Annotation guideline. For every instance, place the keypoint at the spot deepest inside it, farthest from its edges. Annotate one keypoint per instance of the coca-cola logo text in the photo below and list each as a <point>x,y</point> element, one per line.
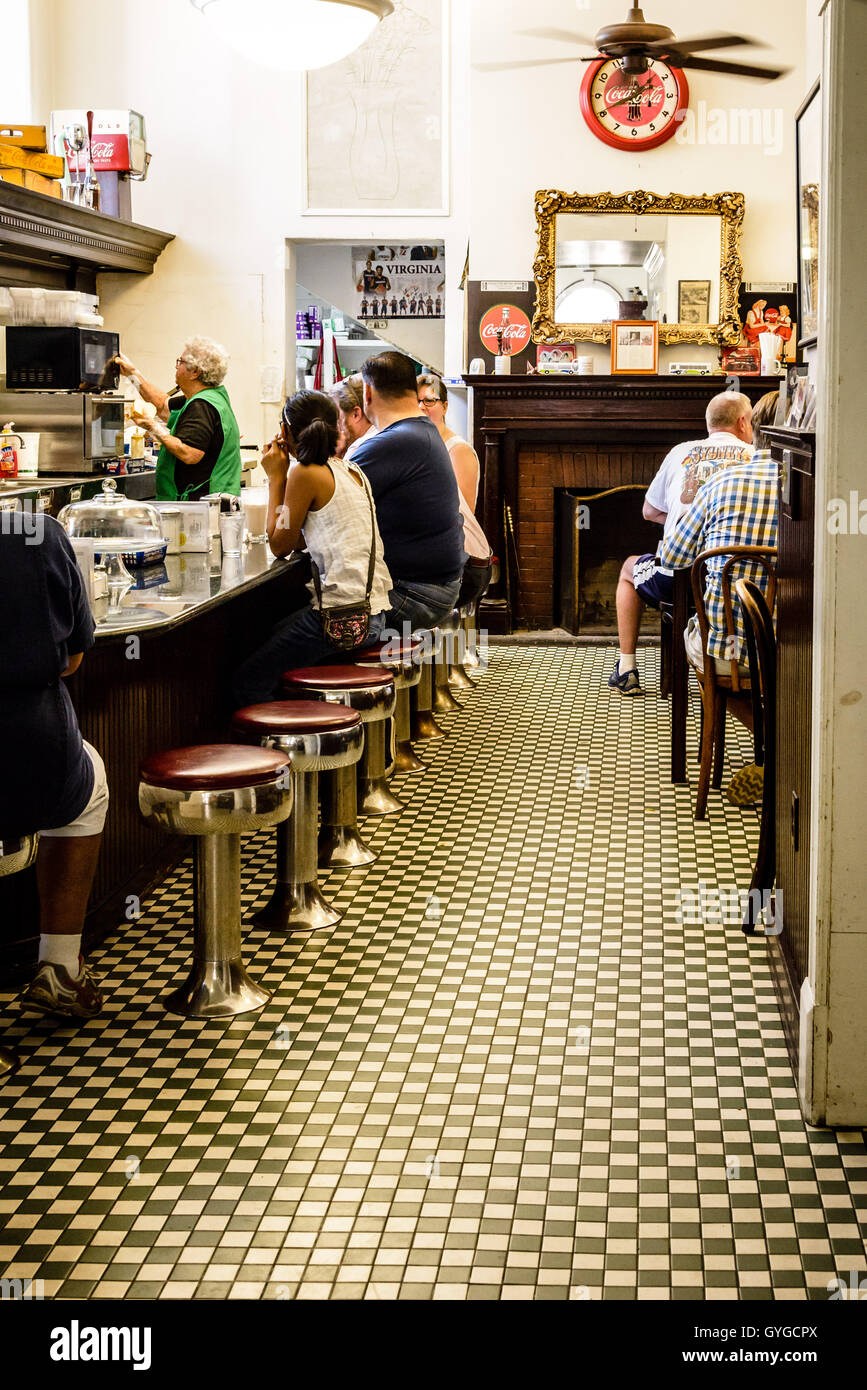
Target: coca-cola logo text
<point>652,97</point>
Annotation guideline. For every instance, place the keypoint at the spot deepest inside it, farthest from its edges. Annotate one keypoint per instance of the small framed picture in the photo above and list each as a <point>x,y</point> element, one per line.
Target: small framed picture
<point>634,347</point>
<point>693,301</point>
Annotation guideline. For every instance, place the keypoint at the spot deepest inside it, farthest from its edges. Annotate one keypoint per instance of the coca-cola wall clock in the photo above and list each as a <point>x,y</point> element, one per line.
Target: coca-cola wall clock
<point>633,112</point>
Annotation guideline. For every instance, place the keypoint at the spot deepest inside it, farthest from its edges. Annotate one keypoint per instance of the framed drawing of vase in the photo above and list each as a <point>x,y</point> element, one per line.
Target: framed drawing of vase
<point>376,129</point>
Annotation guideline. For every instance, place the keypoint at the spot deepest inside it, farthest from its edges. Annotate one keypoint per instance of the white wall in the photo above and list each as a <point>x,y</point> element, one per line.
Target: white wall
<point>226,138</point>
<point>533,117</point>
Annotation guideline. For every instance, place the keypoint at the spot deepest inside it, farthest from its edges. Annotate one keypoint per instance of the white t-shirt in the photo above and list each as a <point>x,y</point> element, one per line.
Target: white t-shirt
<point>357,443</point>
<point>665,490</point>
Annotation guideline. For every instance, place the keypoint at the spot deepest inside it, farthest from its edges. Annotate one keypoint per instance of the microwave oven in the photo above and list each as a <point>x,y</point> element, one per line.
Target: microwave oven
<point>60,359</point>
<point>78,433</point>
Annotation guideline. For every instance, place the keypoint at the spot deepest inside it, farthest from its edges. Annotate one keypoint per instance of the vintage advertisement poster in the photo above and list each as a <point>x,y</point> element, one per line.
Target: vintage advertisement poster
<point>399,282</point>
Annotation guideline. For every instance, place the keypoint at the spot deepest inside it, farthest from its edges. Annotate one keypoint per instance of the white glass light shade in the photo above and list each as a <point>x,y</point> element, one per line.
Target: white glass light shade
<point>294,35</point>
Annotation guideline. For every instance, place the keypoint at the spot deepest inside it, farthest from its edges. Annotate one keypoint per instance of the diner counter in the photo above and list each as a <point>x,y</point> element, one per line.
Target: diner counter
<point>182,588</point>
<point>168,688</point>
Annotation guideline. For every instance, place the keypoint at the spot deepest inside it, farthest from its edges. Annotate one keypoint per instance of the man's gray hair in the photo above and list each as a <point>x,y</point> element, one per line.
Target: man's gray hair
<point>725,410</point>
<point>209,358</point>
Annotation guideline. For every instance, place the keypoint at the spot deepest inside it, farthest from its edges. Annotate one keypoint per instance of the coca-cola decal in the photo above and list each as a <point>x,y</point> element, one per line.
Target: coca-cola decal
<point>633,111</point>
<point>505,330</point>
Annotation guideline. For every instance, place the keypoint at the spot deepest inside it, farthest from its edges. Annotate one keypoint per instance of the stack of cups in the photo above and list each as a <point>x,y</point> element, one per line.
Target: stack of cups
<point>585,366</point>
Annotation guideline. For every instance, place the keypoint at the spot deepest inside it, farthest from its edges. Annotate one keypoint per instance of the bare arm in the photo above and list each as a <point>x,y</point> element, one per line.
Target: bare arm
<point>74,663</point>
<point>149,393</point>
<point>465,462</point>
<point>653,514</point>
<point>286,535</point>
<point>161,433</point>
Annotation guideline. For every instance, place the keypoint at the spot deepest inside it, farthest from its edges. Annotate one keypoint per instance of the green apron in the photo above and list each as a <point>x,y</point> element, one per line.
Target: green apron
<point>226,474</point>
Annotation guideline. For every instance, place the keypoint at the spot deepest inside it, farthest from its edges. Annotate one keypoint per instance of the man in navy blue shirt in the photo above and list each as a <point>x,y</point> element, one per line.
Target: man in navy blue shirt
<point>52,781</point>
<point>416,495</point>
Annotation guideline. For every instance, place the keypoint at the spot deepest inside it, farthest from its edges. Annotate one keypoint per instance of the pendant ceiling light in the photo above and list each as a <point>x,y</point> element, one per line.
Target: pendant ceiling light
<point>294,35</point>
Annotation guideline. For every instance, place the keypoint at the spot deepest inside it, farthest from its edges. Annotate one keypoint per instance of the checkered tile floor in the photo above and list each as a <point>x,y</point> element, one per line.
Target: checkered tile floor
<point>510,1073</point>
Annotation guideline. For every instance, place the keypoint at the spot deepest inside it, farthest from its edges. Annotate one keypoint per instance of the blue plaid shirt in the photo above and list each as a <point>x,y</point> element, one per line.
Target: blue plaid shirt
<point>736,507</point>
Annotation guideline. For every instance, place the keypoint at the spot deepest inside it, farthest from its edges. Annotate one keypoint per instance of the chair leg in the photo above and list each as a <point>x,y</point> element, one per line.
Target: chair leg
<point>719,747</point>
<point>706,758</point>
<point>218,985</point>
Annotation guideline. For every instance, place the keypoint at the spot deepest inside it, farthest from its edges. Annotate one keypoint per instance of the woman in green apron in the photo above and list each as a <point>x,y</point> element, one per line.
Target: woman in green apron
<point>200,441</point>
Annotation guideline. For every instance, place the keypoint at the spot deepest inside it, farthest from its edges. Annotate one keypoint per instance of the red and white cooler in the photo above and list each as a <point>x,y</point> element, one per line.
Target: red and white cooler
<point>119,141</point>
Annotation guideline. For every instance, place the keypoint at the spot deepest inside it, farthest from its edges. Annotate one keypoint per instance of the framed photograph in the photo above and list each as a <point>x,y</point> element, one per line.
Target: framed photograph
<point>555,359</point>
<point>808,153</point>
<point>376,127</point>
<point>693,301</point>
<point>634,347</point>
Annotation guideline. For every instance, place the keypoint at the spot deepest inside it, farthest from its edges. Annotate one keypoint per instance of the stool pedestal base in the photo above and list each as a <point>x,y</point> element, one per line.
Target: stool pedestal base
<point>296,903</point>
<point>405,759</point>
<point>9,1062</point>
<point>424,726</point>
<point>218,985</point>
<point>340,845</point>
<point>375,797</point>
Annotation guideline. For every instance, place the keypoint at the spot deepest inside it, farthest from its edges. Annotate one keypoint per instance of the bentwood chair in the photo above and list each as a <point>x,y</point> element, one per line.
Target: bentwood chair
<point>732,691</point>
<point>762,653</point>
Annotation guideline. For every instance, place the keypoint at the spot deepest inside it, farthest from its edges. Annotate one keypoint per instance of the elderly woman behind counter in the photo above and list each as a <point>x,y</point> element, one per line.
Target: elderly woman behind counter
<point>200,441</point>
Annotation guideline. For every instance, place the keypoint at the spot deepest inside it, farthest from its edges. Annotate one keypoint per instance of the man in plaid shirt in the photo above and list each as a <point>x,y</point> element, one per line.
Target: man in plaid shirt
<point>736,507</point>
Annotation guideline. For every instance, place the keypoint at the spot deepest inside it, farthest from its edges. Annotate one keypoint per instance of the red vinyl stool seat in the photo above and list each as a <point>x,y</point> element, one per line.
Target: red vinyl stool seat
<point>315,737</point>
<point>216,793</point>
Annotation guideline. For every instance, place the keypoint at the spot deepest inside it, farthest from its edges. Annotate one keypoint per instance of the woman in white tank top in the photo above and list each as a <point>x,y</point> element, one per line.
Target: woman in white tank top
<point>321,502</point>
<point>433,398</point>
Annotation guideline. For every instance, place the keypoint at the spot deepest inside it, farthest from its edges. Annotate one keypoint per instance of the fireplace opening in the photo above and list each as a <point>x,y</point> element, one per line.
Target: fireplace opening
<point>595,532</point>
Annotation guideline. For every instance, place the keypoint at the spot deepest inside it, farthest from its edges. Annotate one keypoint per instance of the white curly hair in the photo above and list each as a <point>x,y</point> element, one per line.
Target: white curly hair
<point>210,359</point>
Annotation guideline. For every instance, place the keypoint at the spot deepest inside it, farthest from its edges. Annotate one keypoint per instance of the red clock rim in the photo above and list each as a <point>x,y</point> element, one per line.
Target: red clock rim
<point>619,142</point>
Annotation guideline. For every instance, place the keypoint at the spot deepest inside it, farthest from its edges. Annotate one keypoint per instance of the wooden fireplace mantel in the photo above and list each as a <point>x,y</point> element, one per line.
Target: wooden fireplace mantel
<point>534,434</point>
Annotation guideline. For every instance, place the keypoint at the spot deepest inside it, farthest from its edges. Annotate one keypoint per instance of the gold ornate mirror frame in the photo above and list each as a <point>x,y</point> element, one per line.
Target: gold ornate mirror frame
<point>729,207</point>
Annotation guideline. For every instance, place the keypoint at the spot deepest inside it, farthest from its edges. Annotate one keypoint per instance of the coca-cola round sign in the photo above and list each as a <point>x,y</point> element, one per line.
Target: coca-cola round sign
<point>505,330</point>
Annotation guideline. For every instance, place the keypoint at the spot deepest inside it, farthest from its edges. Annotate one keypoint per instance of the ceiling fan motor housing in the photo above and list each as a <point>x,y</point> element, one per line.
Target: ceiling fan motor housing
<point>629,41</point>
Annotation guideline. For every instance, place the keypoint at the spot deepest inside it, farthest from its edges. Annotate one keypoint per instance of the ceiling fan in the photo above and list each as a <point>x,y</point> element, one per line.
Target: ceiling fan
<point>636,43</point>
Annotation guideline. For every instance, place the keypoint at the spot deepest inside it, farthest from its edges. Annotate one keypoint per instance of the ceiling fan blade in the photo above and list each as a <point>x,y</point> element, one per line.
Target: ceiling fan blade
<point>558,35</point>
<point>699,45</point>
<point>507,66</point>
<point>732,69</point>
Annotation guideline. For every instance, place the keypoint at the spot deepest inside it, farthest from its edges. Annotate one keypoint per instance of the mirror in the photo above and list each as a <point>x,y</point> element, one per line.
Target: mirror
<point>675,259</point>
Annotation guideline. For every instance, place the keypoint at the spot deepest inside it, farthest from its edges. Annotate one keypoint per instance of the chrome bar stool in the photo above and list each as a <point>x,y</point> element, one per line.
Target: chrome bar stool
<point>458,678</point>
<point>216,793</point>
<point>404,660</point>
<point>423,724</point>
<point>16,854</point>
<point>444,701</point>
<point>371,691</point>
<point>315,737</point>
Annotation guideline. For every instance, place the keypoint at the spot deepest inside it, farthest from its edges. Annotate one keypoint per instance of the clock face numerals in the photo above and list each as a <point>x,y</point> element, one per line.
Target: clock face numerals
<point>633,112</point>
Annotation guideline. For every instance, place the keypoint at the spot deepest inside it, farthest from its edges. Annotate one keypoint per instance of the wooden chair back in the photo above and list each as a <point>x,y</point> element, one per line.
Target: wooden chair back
<point>765,557</point>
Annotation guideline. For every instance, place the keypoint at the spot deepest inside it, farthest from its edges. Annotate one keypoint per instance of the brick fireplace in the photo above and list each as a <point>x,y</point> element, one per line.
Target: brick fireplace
<point>539,433</point>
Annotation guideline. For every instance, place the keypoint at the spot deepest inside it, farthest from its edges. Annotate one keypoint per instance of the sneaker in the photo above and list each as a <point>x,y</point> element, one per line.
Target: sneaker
<point>627,684</point>
<point>53,991</point>
<point>747,786</point>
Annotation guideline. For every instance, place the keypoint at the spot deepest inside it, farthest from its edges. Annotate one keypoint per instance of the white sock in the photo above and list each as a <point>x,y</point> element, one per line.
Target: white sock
<point>62,950</point>
<point>626,662</point>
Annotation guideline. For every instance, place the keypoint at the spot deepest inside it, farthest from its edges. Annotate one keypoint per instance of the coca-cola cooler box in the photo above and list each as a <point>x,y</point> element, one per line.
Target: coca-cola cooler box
<point>501,312</point>
<point>119,141</point>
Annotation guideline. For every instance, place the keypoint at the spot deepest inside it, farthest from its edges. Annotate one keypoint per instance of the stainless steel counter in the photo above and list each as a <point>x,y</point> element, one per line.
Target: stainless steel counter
<point>185,586</point>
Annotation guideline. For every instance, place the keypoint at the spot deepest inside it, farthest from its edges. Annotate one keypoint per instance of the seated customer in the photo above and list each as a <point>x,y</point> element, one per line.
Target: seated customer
<point>644,581</point>
<point>433,397</point>
<point>354,426</point>
<point>416,494</point>
<point>327,504</point>
<point>53,782</point>
<point>736,507</point>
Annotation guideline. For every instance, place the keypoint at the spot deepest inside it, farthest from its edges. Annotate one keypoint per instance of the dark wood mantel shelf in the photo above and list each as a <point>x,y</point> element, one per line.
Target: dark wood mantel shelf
<point>44,240</point>
<point>535,434</point>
